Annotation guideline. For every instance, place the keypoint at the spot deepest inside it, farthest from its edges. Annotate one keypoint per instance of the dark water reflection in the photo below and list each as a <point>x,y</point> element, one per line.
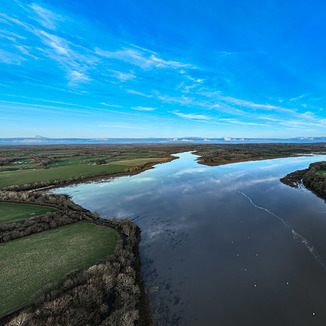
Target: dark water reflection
<point>214,241</point>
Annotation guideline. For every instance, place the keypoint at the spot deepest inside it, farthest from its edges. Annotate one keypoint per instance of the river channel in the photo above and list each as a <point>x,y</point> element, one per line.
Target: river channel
<point>228,245</point>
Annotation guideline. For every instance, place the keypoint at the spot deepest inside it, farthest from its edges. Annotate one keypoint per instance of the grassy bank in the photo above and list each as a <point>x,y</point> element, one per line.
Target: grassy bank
<point>29,263</point>
<point>12,212</point>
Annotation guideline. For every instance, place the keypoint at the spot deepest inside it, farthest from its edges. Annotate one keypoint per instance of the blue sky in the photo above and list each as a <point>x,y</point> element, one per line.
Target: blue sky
<point>118,68</point>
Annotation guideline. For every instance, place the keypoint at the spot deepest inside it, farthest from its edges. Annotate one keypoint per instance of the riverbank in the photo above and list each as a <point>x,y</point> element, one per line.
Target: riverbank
<point>111,292</point>
<point>313,178</point>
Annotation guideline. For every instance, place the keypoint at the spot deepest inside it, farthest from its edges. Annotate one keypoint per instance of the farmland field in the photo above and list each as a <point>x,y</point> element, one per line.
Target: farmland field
<point>33,167</point>
<point>29,263</point>
<point>12,212</point>
<point>21,177</point>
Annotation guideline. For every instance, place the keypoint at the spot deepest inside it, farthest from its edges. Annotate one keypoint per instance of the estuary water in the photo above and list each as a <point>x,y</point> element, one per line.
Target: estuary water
<point>228,245</point>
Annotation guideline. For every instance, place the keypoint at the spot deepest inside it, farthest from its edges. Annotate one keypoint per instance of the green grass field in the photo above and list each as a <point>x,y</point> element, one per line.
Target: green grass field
<point>9,178</point>
<point>322,172</point>
<point>57,173</point>
<point>28,264</point>
<point>12,213</point>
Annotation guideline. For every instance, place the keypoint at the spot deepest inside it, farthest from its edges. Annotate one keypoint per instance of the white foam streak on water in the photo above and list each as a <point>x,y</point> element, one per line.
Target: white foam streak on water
<point>295,234</point>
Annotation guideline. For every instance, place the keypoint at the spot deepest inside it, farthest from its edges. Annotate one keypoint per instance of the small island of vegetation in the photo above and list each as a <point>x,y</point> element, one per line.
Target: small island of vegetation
<point>313,178</point>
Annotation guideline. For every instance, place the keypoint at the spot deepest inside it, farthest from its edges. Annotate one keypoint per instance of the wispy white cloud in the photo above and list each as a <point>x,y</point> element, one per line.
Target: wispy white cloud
<point>122,76</point>
<point>141,48</point>
<point>73,108</point>
<point>22,49</point>
<point>182,100</point>
<point>92,108</point>
<point>14,37</point>
<point>120,126</point>
<point>141,108</point>
<point>302,121</point>
<point>111,105</point>
<point>141,59</point>
<point>132,91</point>
<point>75,63</point>
<point>244,123</point>
<point>191,116</point>
<point>297,98</point>
<point>253,105</point>
<point>188,88</point>
<point>308,115</point>
<point>77,77</point>
<point>58,44</point>
<point>27,51</point>
<point>12,20</point>
<point>45,17</point>
<point>269,118</point>
<point>11,58</point>
<point>197,80</point>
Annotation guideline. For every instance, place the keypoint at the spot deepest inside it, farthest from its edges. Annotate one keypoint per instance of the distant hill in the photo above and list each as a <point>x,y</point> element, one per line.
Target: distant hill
<point>39,140</point>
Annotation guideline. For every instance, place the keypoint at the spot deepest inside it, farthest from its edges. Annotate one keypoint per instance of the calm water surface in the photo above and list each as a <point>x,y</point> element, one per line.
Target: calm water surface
<point>227,245</point>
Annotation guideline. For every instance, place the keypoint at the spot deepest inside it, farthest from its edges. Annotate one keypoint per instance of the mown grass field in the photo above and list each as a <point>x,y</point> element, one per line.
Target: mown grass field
<point>12,213</point>
<point>9,178</point>
<point>28,264</point>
